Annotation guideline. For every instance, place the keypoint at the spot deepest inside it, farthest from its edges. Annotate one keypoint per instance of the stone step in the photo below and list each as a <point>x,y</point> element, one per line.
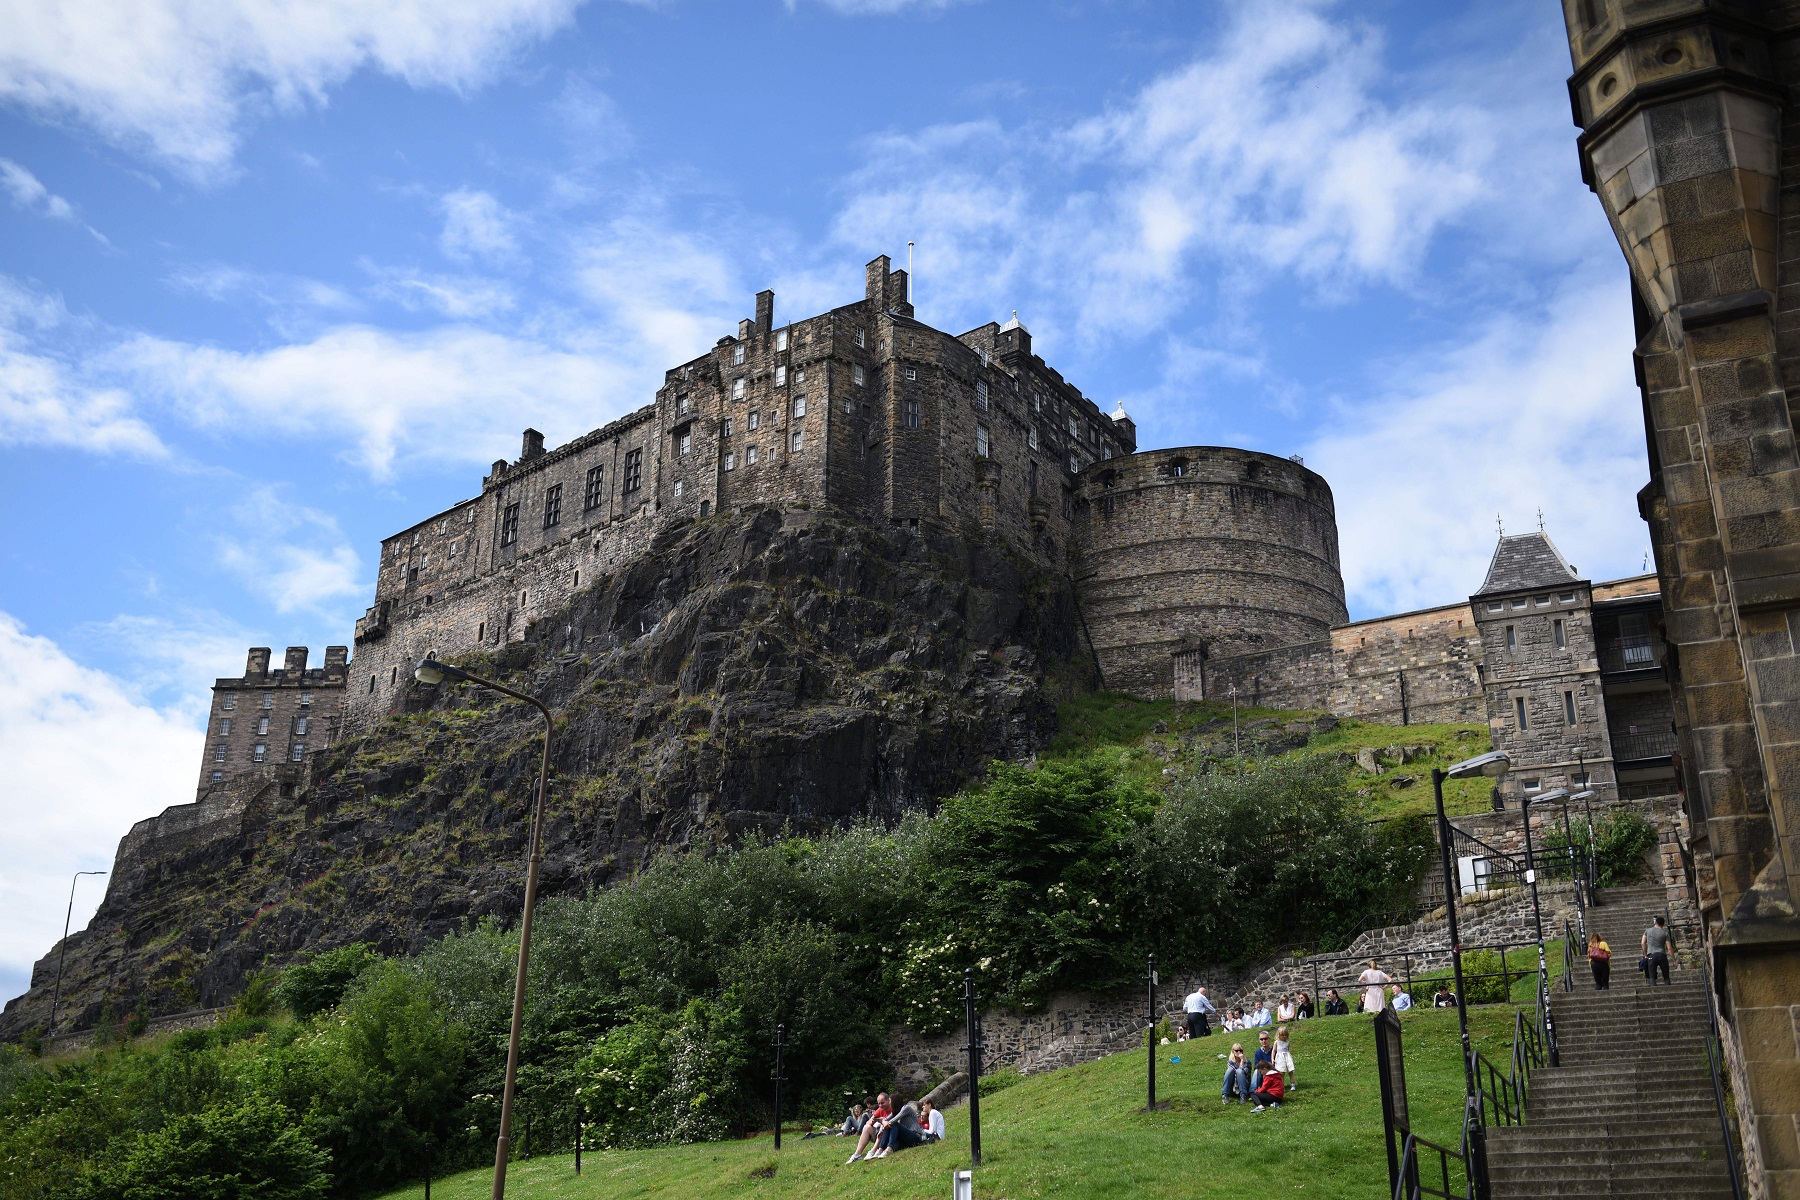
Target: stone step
<point>1574,1080</point>
<point>1548,1141</point>
<point>1558,1110</point>
<point>1670,1171</point>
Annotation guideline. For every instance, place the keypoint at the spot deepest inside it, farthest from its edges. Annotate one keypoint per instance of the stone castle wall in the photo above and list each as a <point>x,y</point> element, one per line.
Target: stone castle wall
<point>1203,547</point>
<point>267,719</point>
<point>1413,668</point>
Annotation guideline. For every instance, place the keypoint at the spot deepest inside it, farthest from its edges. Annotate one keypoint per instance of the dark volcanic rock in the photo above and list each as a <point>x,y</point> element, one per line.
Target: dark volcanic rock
<point>748,675</point>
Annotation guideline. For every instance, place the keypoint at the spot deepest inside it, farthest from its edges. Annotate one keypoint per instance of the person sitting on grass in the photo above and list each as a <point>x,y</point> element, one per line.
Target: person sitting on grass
<point>1270,1093</point>
<point>1265,1059</point>
<point>933,1120</point>
<point>1445,998</point>
<point>1237,1075</point>
<point>1334,1004</point>
<point>1303,1008</point>
<point>901,1132</point>
<point>872,1125</point>
<point>853,1124</point>
<point>1285,1010</point>
<point>1402,998</point>
<point>1262,1015</point>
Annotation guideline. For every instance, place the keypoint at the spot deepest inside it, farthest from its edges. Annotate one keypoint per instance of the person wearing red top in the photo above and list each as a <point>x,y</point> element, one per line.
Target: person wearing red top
<point>1270,1093</point>
<point>884,1109</point>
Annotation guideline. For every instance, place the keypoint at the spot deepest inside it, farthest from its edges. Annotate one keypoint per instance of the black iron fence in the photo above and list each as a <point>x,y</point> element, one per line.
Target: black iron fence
<point>1645,743</point>
<point>1636,653</point>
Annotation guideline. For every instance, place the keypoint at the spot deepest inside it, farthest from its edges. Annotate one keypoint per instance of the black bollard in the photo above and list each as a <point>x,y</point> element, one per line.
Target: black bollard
<point>1150,984</point>
<point>579,1113</point>
<point>780,1036</point>
<point>974,1049</point>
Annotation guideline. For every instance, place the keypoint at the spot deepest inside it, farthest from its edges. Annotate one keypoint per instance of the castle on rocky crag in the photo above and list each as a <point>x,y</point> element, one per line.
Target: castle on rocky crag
<point>869,411</point>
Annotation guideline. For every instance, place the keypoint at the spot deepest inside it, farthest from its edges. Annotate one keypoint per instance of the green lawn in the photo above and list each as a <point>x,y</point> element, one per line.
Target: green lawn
<point>1081,1133</point>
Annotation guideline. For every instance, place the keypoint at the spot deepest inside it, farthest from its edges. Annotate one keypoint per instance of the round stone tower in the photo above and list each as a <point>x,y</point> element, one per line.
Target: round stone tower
<point>1207,547</point>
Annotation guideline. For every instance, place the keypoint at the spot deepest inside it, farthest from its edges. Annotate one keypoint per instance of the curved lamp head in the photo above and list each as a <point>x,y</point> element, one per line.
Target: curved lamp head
<point>1554,794</point>
<point>1494,762</point>
<point>430,670</point>
<point>1587,795</point>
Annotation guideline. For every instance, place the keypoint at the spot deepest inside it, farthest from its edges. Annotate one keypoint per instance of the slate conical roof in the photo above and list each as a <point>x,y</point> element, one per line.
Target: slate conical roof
<point>1525,561</point>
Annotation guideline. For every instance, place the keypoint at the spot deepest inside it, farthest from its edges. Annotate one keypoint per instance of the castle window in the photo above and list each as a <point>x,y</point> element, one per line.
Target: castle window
<point>552,506</point>
<point>799,374</point>
<point>1037,400</point>
<point>305,699</point>
<point>755,422</point>
<point>982,354</point>
<point>912,374</point>
<point>300,725</point>
<point>799,406</point>
<point>1512,639</point>
<point>981,441</point>
<point>268,700</point>
<point>469,517</point>
<point>394,677</point>
<point>230,702</point>
<point>798,443</point>
<point>1031,437</point>
<point>509,525</point>
<point>595,492</point>
<point>1106,452</point>
<point>856,375</point>
<point>634,470</point>
<point>217,776</point>
<point>1496,606</point>
<point>909,413</point>
<point>861,340</point>
<point>371,685</point>
<point>737,355</point>
<point>412,575</point>
<point>522,597</point>
<point>1075,463</point>
<point>1569,707</point>
<point>781,336</point>
<point>1541,601</point>
<point>1567,597</point>
<point>224,726</point>
<point>1031,477</point>
<point>1531,785</point>
<point>731,462</point>
<point>481,632</point>
<point>981,399</point>
<point>737,389</point>
<point>219,752</point>
<point>299,751</point>
<point>1519,711</point>
<point>725,427</point>
<point>750,457</point>
<point>679,487</point>
<point>1074,426</point>
<point>705,508</point>
<point>681,404</point>
<point>258,752</point>
<point>1562,637</point>
<point>262,725</point>
<point>684,442</point>
<point>452,553</point>
<point>780,376</point>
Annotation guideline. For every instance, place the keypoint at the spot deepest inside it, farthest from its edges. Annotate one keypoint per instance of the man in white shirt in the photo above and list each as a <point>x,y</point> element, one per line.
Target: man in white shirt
<point>1402,999</point>
<point>1198,1008</point>
<point>1262,1016</point>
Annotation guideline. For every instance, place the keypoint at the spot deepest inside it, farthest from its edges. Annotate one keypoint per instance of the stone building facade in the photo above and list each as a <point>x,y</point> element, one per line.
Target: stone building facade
<point>270,719</point>
<point>1688,139</point>
<point>867,410</point>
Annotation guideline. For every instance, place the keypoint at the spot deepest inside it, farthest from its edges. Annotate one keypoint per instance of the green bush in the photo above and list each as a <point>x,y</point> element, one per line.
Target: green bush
<point>253,1148</point>
<point>1621,840</point>
<point>315,985</point>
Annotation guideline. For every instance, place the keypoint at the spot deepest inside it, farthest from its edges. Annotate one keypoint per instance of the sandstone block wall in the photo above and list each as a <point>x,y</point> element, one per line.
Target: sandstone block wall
<point>1229,550</point>
<point>1414,668</point>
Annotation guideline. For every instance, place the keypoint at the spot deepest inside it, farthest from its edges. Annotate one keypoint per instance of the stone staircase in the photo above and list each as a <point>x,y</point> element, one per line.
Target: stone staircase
<point>1630,1112</point>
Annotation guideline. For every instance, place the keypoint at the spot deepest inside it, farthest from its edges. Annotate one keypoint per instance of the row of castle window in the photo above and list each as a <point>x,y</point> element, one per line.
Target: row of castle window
<point>258,753</point>
<point>229,701</point>
<point>1520,602</point>
<point>593,496</point>
<point>262,725</point>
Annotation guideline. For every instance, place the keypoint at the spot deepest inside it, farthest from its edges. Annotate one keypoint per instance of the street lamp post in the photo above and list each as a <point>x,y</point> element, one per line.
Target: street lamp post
<point>62,951</point>
<point>1537,919</point>
<point>1493,763</point>
<point>430,671</point>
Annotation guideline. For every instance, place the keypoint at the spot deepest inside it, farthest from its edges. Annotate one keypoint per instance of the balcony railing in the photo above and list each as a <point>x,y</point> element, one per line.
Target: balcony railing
<point>1628,746</point>
<point>1628,654</point>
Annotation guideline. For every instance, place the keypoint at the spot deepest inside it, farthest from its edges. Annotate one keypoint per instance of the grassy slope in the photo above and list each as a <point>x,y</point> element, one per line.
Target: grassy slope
<point>1127,726</point>
<point>1080,1133</point>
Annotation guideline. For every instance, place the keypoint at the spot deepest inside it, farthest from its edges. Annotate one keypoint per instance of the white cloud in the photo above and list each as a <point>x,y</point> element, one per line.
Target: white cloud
<point>167,662</point>
<point>29,194</point>
<point>1536,409</point>
<point>84,760</point>
<point>665,294</point>
<point>175,78</point>
<point>296,557</point>
<point>476,226</point>
<point>460,297</point>
<point>456,392</point>
<point>45,401</point>
<point>1282,150</point>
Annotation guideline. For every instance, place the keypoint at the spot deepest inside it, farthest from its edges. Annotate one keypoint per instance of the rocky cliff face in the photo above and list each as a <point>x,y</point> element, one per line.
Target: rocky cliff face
<point>748,675</point>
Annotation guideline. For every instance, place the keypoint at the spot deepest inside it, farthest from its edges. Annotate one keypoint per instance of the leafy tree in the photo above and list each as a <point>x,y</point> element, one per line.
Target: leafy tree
<point>249,1150</point>
<point>315,985</point>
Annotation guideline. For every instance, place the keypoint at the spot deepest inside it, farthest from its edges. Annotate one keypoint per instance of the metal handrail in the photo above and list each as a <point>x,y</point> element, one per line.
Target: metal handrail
<point>1569,944</point>
<point>1715,1060</point>
<point>1413,1187</point>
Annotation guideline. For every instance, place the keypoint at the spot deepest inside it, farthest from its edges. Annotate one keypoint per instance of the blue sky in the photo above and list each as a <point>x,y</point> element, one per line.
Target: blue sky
<point>276,280</point>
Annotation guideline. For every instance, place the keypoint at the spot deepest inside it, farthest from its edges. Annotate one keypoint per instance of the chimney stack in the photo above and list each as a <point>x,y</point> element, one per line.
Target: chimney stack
<point>765,312</point>
<point>336,659</point>
<point>295,662</point>
<point>533,447</point>
<point>875,281</point>
<point>257,666</point>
